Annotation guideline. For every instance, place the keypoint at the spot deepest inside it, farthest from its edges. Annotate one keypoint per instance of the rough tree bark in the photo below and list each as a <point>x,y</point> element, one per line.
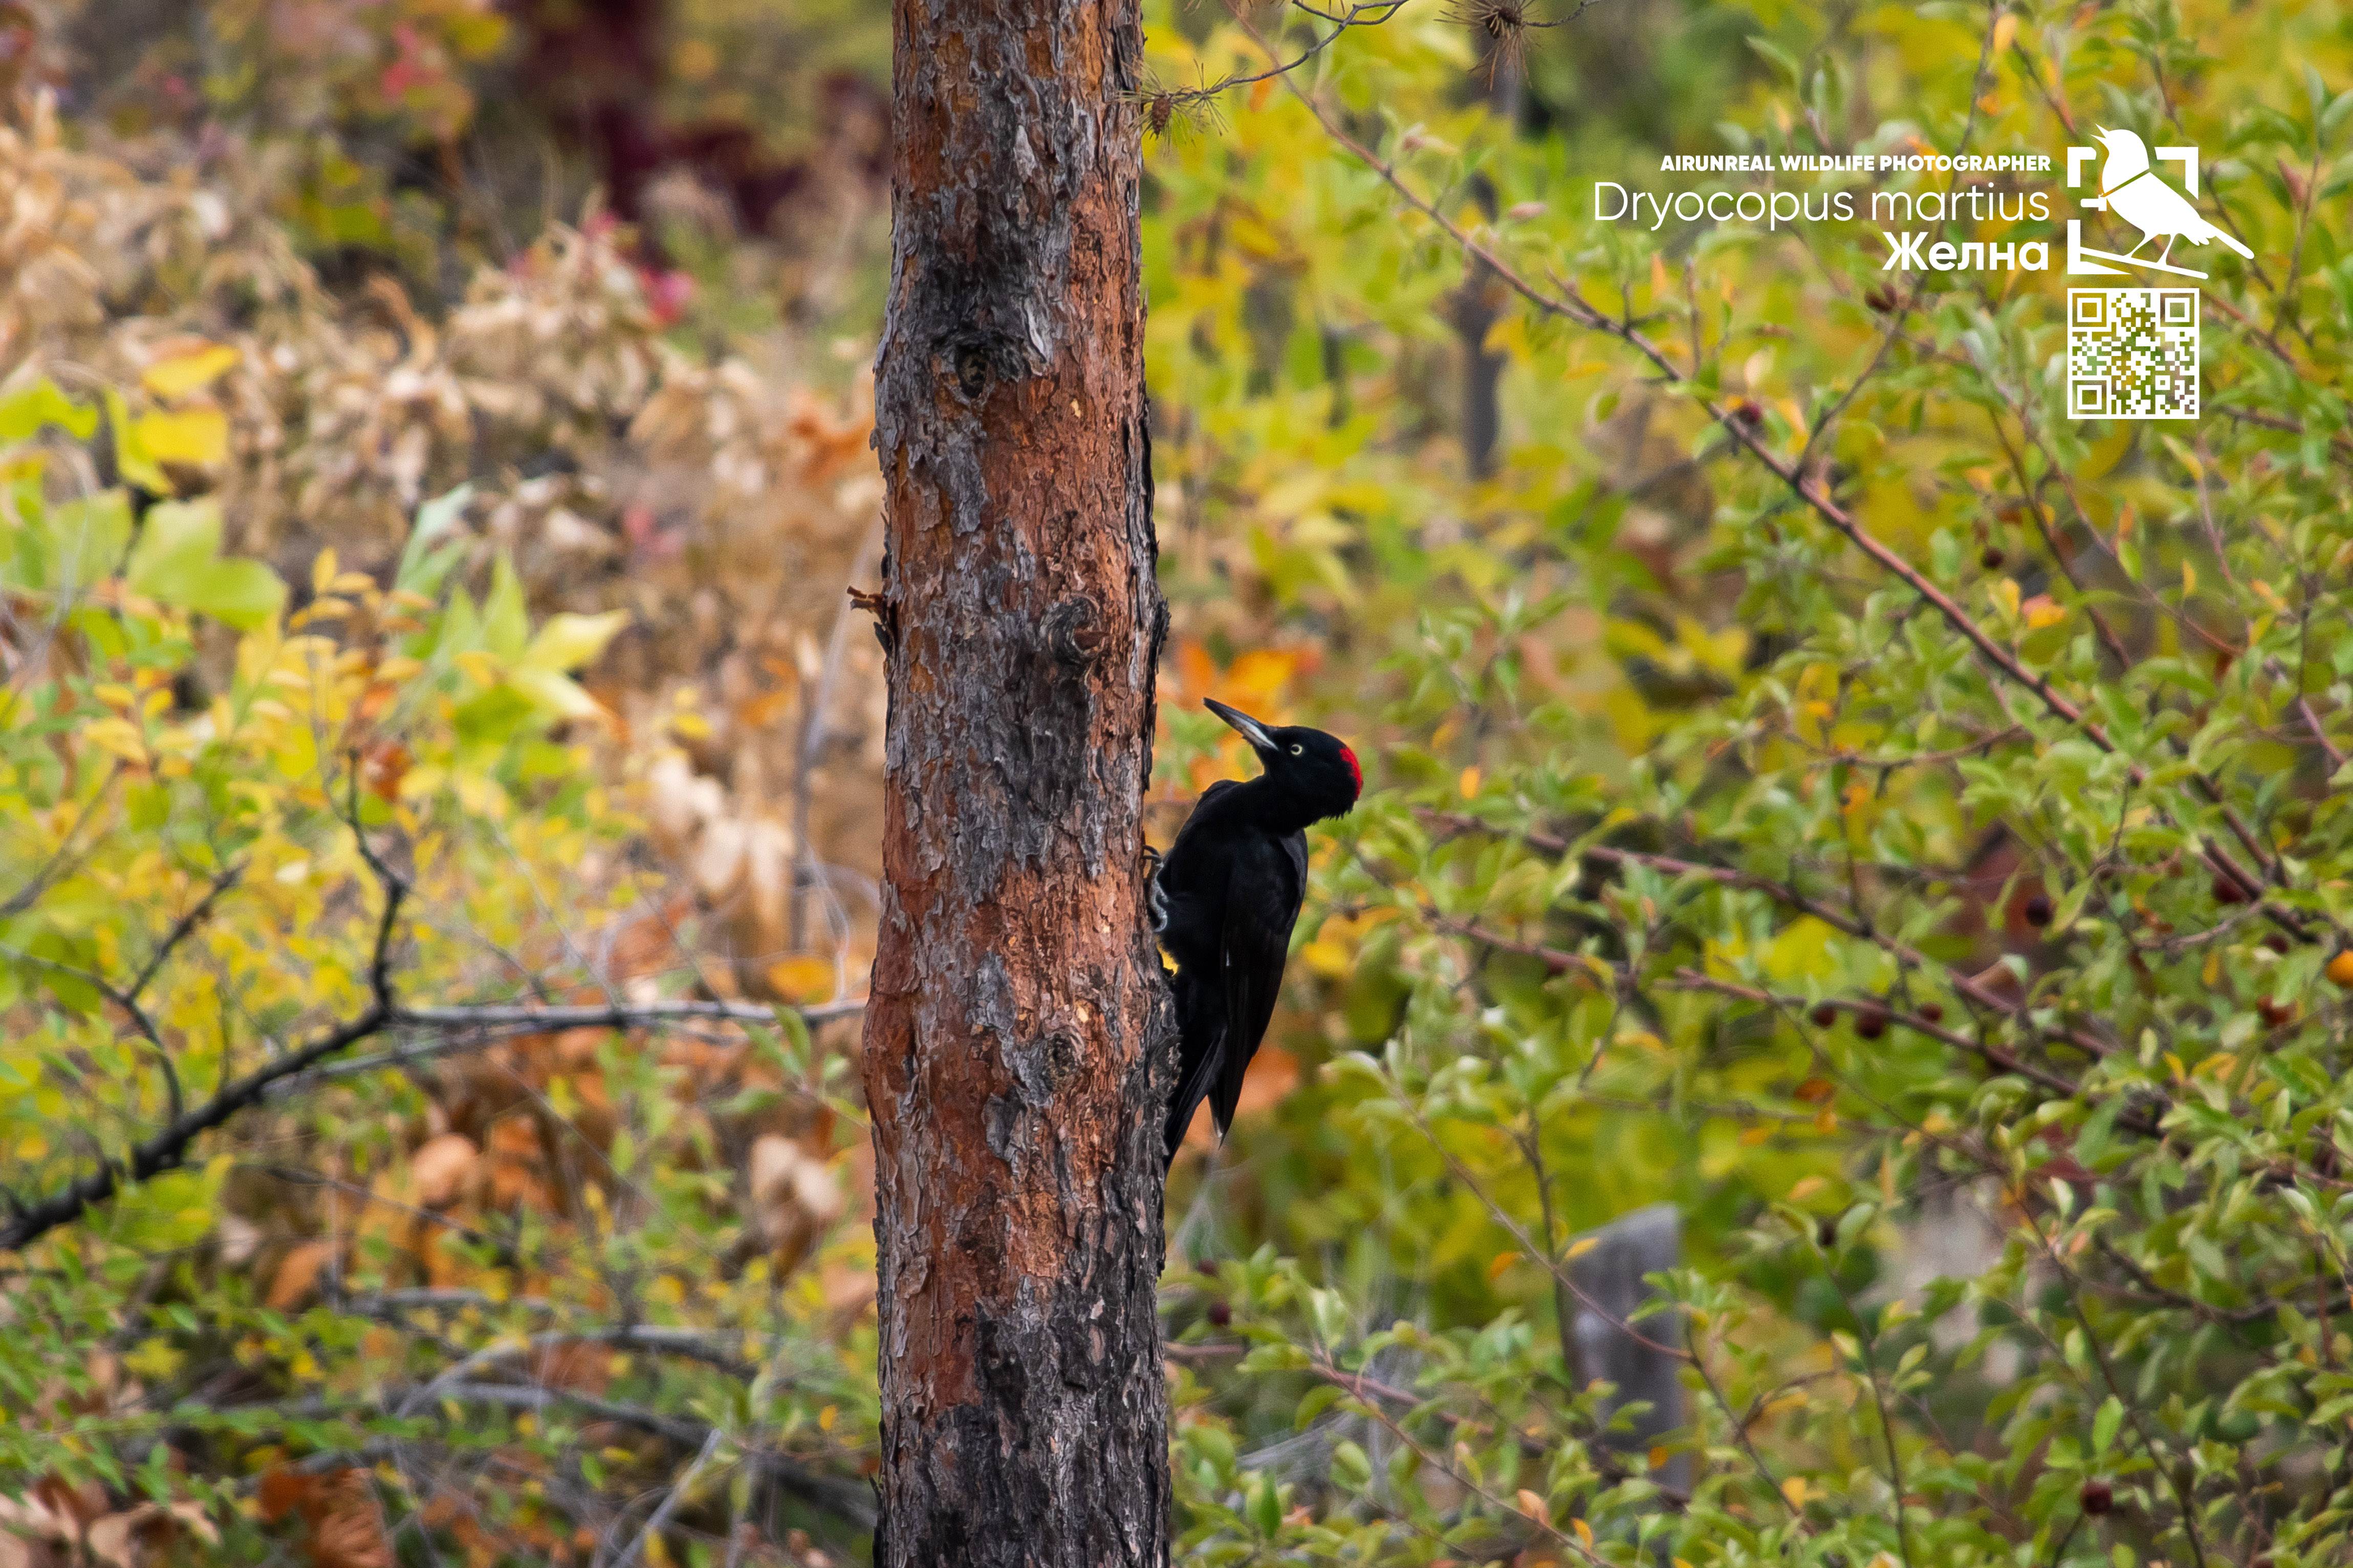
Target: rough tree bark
<point>1017,1025</point>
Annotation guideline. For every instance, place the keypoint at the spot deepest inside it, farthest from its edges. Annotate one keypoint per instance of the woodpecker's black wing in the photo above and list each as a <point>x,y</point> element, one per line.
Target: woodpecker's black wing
<point>1178,860</point>
<point>1193,878</point>
<point>1263,899</point>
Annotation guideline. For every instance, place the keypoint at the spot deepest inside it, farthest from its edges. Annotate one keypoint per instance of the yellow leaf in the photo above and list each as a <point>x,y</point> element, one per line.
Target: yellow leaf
<point>118,736</point>
<point>1583,1532</point>
<point>826,1418</point>
<point>193,438</point>
<point>2005,31</point>
<point>181,374</point>
<point>483,665</point>
<point>2189,579</point>
<point>1328,959</point>
<point>1470,783</point>
<point>1508,337</point>
<point>2042,611</point>
<point>155,1358</point>
<point>565,642</point>
<point>1502,1260</point>
<point>802,978</point>
<point>322,570</point>
<point>1534,1507</point>
<point>1795,1490</point>
<point>1580,1247</point>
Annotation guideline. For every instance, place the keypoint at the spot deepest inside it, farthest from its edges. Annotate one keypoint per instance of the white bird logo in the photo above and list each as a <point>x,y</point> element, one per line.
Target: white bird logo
<point>2132,190</point>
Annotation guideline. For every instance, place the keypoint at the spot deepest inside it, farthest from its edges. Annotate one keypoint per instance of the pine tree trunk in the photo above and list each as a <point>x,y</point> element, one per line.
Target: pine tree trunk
<point>1019,1025</point>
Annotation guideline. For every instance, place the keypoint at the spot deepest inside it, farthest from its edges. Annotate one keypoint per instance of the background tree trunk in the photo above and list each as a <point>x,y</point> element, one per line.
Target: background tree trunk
<point>1017,1021</point>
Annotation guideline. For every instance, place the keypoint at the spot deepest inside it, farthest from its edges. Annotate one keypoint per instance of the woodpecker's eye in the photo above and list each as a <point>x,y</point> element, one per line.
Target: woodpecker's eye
<point>1298,750</point>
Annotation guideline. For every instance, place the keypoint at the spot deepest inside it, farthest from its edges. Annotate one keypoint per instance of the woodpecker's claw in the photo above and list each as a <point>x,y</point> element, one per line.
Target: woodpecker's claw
<point>1155,902</point>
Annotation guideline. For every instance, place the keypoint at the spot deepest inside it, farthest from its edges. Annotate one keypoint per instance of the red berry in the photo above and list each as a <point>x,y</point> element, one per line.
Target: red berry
<point>1823,1015</point>
<point>1933,1011</point>
<point>1220,1315</point>
<point>1991,558</point>
<point>2038,911</point>
<point>1827,1234</point>
<point>2097,1498</point>
<point>1870,1023</point>
<point>2227,891</point>
<point>1207,1265</point>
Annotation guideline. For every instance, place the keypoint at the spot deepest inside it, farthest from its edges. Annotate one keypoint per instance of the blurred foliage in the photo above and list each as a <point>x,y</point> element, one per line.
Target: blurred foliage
<point>1944,927</point>
<point>338,523</point>
<point>1957,947</point>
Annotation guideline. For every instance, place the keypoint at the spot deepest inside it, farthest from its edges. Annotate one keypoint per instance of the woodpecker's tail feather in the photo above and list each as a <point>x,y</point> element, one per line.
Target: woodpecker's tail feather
<point>1200,1036</point>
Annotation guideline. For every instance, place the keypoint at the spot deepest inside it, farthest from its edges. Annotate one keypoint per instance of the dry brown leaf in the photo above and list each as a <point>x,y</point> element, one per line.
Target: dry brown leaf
<point>342,1525</point>
<point>146,1534</point>
<point>442,1169</point>
<point>33,1535</point>
<point>297,1273</point>
<point>794,1198</point>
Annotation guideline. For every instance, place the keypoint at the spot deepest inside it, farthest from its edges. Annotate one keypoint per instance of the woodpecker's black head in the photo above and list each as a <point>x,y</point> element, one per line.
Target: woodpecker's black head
<point>1309,770</point>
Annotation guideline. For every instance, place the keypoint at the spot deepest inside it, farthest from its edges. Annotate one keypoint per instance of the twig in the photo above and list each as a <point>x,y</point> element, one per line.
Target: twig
<point>661,1516</point>
<point>1807,487</point>
<point>1965,984</point>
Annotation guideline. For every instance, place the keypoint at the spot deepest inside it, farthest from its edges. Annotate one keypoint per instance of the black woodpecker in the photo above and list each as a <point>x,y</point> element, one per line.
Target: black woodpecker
<point>1226,897</point>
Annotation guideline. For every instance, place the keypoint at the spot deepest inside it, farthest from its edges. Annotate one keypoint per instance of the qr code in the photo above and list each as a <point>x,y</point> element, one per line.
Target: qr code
<point>2132,353</point>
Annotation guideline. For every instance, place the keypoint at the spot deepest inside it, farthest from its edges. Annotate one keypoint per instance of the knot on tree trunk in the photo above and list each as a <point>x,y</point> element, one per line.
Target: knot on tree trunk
<point>1075,633</point>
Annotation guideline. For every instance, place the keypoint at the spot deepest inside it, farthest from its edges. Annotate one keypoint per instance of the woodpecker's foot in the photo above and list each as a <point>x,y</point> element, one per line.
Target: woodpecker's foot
<point>1155,902</point>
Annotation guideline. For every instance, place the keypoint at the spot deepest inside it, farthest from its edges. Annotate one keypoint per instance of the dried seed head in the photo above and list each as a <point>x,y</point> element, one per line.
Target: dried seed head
<point>1502,18</point>
<point>1503,24</point>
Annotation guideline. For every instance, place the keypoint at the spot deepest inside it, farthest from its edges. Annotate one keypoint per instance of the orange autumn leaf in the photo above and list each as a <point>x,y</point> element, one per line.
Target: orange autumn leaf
<point>297,1272</point>
<point>441,1169</point>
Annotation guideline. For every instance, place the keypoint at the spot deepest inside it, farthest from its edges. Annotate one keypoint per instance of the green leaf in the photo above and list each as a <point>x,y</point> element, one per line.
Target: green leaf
<point>177,561</point>
<point>427,560</point>
<point>2104,1425</point>
<point>24,412</point>
<point>565,642</point>
<point>1350,1467</point>
<point>506,619</point>
<point>86,540</point>
<point>132,459</point>
<point>1266,1506</point>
